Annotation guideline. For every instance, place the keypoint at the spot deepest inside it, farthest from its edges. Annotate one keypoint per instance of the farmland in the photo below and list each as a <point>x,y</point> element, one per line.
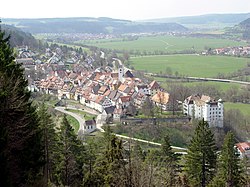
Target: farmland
<point>189,65</point>
<point>162,43</point>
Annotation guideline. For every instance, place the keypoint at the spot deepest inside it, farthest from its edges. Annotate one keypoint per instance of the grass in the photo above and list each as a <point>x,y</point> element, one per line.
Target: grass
<point>73,122</point>
<point>221,86</point>
<point>163,43</point>
<point>244,108</point>
<point>189,65</point>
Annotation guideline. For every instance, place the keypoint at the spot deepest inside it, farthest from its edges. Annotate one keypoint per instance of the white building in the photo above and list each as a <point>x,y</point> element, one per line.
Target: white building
<point>203,107</point>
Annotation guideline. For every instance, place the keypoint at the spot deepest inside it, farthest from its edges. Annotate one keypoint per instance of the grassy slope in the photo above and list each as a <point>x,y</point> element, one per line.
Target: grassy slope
<point>191,65</point>
<point>165,43</point>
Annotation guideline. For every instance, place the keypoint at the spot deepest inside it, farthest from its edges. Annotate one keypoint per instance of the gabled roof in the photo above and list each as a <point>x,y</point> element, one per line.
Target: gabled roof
<point>114,95</point>
<point>243,146</point>
<point>154,85</point>
<point>125,98</point>
<point>90,122</point>
<point>110,110</point>
<point>129,74</point>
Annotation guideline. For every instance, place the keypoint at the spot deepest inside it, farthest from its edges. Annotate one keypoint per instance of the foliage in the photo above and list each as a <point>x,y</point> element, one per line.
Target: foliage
<point>20,144</point>
<point>229,172</point>
<point>201,157</point>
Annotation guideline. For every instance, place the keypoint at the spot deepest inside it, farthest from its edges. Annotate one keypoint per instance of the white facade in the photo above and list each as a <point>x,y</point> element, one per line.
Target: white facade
<point>203,107</point>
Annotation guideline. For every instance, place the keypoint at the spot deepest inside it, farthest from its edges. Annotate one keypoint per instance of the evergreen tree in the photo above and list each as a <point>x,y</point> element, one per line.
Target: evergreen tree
<point>170,160</point>
<point>49,142</point>
<point>201,158</point>
<point>109,169</point>
<point>70,155</point>
<point>20,138</point>
<point>229,170</point>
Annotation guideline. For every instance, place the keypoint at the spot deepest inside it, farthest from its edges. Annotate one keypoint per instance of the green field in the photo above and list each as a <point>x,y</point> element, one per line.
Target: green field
<point>244,108</point>
<point>221,86</point>
<point>189,65</point>
<point>163,43</point>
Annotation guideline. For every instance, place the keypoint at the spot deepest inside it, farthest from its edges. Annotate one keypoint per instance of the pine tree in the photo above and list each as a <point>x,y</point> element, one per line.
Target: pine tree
<point>20,143</point>
<point>109,169</point>
<point>49,142</point>
<point>70,156</point>
<point>169,167</point>
<point>229,170</point>
<point>201,158</point>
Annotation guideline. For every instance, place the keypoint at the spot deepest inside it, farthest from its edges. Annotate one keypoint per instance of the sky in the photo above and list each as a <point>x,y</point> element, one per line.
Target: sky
<point>120,9</point>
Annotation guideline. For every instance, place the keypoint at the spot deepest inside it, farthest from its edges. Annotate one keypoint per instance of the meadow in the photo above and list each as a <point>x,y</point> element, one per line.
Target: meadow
<point>221,86</point>
<point>162,43</point>
<point>189,65</point>
<point>244,108</point>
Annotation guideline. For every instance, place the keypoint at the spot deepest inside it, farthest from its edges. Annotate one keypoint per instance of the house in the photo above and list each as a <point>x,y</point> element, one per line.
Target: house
<point>90,126</point>
<point>114,96</point>
<point>117,114</point>
<point>108,113</point>
<point>124,101</point>
<point>154,87</point>
<point>161,99</point>
<point>143,89</point>
<point>243,149</point>
<point>139,99</point>
<point>204,107</point>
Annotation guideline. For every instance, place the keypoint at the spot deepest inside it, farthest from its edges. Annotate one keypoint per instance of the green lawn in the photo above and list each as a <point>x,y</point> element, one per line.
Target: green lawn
<point>163,43</point>
<point>73,122</point>
<point>189,65</point>
<point>244,108</point>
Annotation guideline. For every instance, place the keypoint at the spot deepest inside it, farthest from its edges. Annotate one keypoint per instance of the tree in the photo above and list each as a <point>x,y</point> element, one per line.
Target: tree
<point>69,156</point>
<point>229,170</point>
<point>20,143</point>
<point>201,158</point>
<point>148,108</point>
<point>169,163</point>
<point>109,169</point>
<point>49,142</point>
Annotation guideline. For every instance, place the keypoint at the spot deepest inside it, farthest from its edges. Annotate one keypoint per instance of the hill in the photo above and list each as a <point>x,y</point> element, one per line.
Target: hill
<point>91,25</point>
<point>245,26</point>
<point>241,30</point>
<point>19,37</point>
<point>208,19</point>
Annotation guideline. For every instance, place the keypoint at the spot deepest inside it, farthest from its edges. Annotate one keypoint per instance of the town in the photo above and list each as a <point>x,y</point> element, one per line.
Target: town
<point>114,91</point>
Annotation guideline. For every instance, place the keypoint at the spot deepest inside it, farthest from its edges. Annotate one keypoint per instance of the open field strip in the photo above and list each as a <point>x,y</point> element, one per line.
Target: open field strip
<point>189,65</point>
<point>163,43</point>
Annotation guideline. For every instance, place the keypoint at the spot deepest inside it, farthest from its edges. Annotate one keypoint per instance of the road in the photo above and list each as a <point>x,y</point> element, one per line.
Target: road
<point>99,123</point>
<point>149,142</point>
<point>76,116</point>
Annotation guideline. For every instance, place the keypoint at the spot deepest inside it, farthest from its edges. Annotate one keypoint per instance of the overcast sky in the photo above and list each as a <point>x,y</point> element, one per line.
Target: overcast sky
<point>122,9</point>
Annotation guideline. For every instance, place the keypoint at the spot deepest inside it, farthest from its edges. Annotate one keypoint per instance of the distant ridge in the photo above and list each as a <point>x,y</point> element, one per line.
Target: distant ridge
<point>91,25</point>
<point>205,19</point>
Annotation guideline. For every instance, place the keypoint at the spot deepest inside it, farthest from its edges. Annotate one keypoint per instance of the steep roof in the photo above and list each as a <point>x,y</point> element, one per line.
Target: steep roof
<point>154,85</point>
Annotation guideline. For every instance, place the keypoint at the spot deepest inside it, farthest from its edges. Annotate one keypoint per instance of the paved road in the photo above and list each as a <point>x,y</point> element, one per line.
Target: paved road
<point>149,142</point>
<point>76,116</point>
